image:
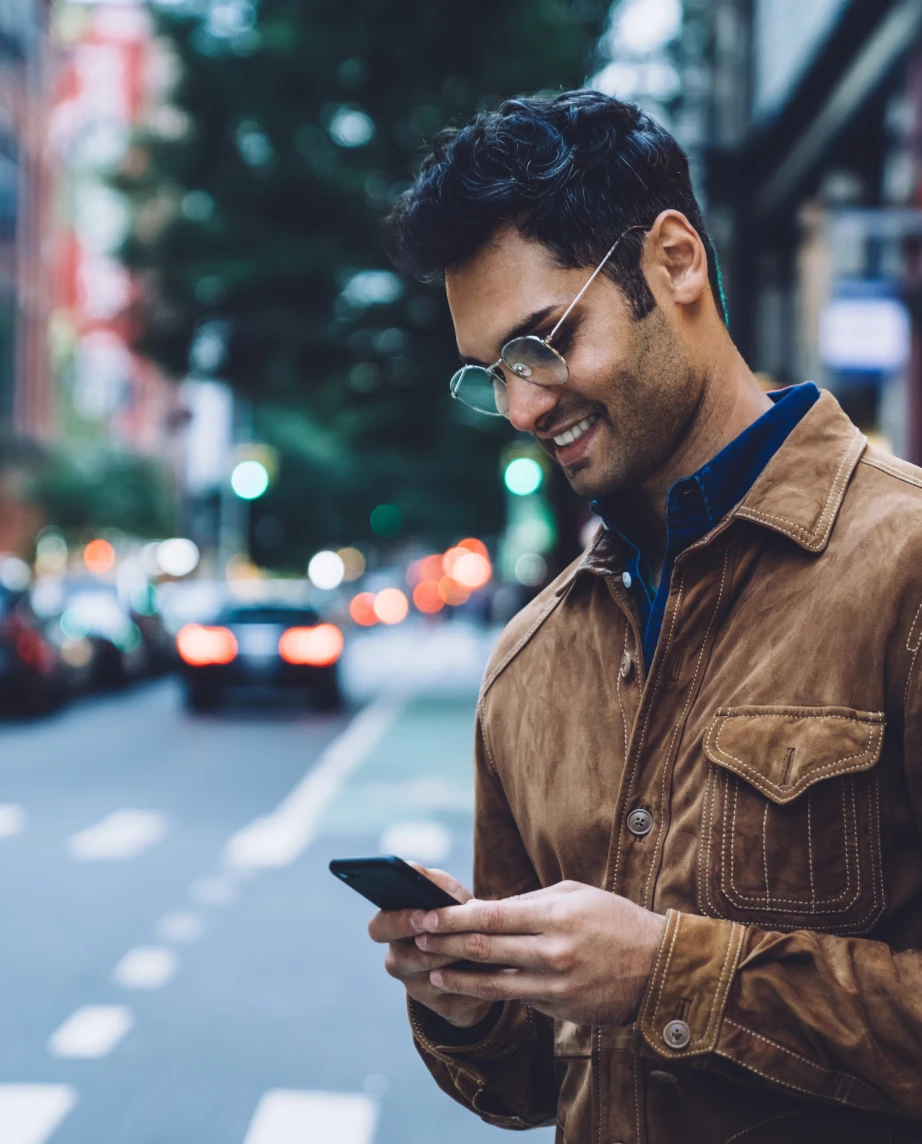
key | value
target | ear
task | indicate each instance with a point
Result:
(676, 261)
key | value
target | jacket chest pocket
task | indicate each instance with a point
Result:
(790, 825)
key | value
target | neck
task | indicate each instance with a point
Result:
(731, 400)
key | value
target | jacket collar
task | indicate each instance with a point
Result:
(798, 493)
(800, 490)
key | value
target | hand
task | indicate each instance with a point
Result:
(574, 952)
(412, 966)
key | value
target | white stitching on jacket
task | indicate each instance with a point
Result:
(758, 780)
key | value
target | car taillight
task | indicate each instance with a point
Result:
(316, 647)
(200, 646)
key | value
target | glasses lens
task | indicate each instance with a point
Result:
(535, 361)
(480, 389)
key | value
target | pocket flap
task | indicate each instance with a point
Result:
(783, 750)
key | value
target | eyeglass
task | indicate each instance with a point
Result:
(531, 358)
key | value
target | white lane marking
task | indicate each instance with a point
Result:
(29, 1113)
(278, 838)
(214, 891)
(120, 835)
(146, 967)
(92, 1031)
(180, 926)
(287, 1116)
(424, 842)
(12, 819)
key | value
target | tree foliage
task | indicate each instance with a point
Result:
(299, 121)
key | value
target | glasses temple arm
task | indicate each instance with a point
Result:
(595, 274)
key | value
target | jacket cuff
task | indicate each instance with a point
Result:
(512, 1026)
(683, 1007)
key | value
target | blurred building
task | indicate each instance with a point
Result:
(25, 402)
(803, 121)
(105, 91)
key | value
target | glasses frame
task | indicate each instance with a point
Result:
(458, 377)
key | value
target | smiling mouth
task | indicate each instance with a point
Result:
(574, 433)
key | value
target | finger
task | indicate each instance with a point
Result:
(524, 951)
(509, 915)
(504, 985)
(405, 961)
(445, 881)
(391, 925)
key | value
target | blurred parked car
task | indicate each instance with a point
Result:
(265, 646)
(89, 611)
(33, 672)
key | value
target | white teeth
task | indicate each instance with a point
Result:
(576, 432)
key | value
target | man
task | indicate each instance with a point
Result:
(698, 867)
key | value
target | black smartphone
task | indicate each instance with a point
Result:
(391, 884)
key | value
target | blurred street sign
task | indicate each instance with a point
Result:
(864, 328)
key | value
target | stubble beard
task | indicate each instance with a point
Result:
(652, 409)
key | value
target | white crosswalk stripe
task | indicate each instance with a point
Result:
(290, 1116)
(120, 835)
(29, 1113)
(91, 1032)
(146, 967)
(12, 819)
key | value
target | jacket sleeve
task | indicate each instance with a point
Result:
(833, 1018)
(507, 1076)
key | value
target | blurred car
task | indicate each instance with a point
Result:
(265, 646)
(33, 673)
(85, 612)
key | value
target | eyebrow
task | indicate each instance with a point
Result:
(518, 331)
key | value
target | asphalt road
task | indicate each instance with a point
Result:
(177, 965)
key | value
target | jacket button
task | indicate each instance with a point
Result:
(677, 1034)
(640, 822)
(626, 579)
(627, 665)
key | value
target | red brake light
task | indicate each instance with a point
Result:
(199, 646)
(318, 647)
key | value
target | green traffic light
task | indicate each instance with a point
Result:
(523, 476)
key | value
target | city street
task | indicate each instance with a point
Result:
(177, 965)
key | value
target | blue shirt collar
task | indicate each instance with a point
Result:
(695, 504)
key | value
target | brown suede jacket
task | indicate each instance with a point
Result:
(774, 750)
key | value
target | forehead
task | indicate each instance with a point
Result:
(508, 279)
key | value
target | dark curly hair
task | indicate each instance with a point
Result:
(573, 171)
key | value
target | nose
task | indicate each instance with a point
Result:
(529, 403)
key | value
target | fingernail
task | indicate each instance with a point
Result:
(422, 941)
(417, 919)
(437, 980)
(431, 920)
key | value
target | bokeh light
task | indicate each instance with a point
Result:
(353, 564)
(318, 647)
(386, 520)
(472, 544)
(250, 479)
(472, 570)
(177, 556)
(452, 592)
(326, 570)
(530, 569)
(99, 557)
(391, 606)
(200, 646)
(362, 609)
(426, 597)
(523, 476)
